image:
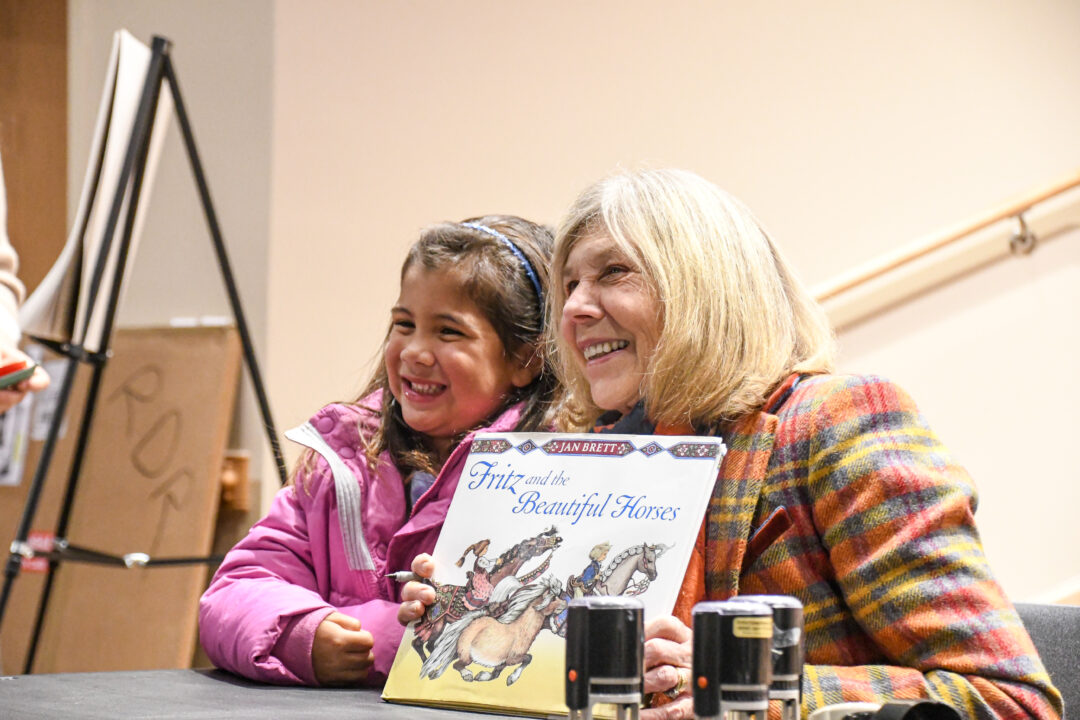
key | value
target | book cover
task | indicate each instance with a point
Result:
(538, 519)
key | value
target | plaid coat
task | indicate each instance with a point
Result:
(881, 549)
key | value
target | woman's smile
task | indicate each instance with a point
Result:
(612, 320)
(593, 351)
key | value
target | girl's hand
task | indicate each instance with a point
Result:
(416, 596)
(669, 655)
(342, 652)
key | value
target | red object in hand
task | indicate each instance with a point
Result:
(14, 373)
(12, 367)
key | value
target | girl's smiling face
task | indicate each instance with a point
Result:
(445, 363)
(611, 320)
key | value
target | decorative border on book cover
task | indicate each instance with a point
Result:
(597, 448)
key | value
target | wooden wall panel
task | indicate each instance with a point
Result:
(33, 129)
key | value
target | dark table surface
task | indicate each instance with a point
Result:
(192, 694)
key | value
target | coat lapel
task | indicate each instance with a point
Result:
(734, 500)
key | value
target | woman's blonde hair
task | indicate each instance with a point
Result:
(736, 320)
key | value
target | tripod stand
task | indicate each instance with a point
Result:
(159, 70)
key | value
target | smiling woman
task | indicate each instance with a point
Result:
(675, 312)
(682, 273)
(610, 320)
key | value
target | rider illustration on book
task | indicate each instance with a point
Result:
(452, 602)
(581, 585)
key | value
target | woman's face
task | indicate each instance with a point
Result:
(610, 319)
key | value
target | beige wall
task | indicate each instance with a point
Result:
(849, 127)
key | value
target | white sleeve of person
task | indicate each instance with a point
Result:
(11, 290)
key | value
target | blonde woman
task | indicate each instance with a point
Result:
(675, 313)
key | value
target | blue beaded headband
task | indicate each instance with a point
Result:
(520, 256)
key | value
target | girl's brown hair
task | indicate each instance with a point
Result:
(496, 279)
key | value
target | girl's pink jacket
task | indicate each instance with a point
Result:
(326, 544)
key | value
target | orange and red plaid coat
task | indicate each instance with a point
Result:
(881, 549)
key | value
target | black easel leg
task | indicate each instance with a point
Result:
(65, 510)
(226, 270)
(14, 563)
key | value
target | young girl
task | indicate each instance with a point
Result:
(305, 597)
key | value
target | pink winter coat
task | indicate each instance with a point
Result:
(326, 544)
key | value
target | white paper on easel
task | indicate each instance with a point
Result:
(14, 427)
(46, 402)
(59, 307)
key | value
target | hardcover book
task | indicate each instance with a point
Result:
(539, 519)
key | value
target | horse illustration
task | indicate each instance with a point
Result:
(617, 577)
(496, 642)
(452, 602)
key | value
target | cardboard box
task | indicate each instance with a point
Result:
(150, 483)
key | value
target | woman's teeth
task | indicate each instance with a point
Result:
(604, 348)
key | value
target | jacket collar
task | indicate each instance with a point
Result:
(636, 422)
(735, 497)
(632, 423)
(734, 502)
